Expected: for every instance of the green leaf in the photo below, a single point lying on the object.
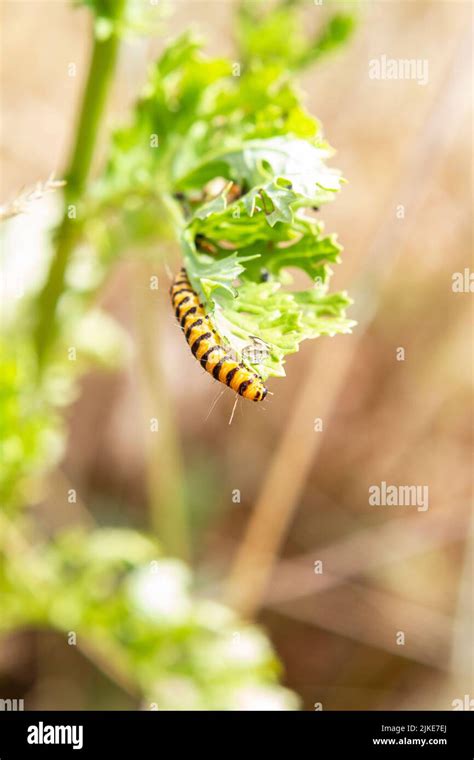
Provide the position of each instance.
(276, 33)
(211, 274)
(335, 33)
(243, 289)
(282, 320)
(265, 163)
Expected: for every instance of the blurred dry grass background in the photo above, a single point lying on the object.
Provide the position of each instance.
(386, 569)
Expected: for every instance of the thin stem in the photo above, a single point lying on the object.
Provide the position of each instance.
(165, 476)
(100, 76)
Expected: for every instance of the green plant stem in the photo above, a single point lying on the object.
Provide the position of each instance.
(101, 69)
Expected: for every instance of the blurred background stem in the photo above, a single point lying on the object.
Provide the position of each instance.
(165, 476)
(100, 76)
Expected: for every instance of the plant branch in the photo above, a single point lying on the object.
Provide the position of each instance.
(100, 76)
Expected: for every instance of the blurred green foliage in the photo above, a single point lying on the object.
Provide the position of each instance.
(279, 35)
(31, 432)
(113, 589)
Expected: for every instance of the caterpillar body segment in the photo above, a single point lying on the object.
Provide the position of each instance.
(207, 345)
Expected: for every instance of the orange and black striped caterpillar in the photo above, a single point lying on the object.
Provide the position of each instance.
(206, 344)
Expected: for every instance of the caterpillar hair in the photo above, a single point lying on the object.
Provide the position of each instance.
(206, 344)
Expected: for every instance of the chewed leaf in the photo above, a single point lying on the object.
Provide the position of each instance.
(265, 163)
(209, 274)
(255, 239)
(311, 252)
(280, 319)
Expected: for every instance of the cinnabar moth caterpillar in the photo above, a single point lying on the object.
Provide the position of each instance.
(206, 344)
(204, 245)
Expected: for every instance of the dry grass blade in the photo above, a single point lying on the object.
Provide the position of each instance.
(375, 618)
(20, 204)
(359, 553)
